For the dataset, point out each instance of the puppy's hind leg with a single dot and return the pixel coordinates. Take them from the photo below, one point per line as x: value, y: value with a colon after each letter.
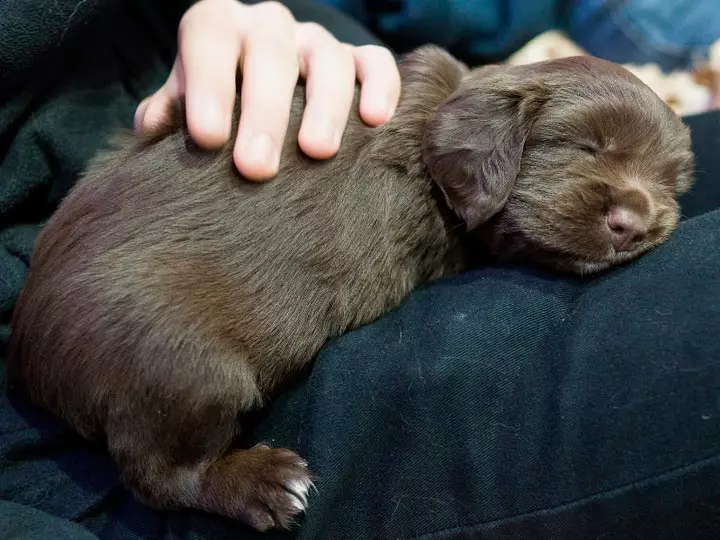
x: 173, y: 446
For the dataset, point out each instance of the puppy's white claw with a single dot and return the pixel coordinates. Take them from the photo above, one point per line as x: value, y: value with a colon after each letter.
x: 300, y: 488
x: 297, y: 503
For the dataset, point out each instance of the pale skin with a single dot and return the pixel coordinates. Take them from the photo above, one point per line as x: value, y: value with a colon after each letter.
x: 272, y: 50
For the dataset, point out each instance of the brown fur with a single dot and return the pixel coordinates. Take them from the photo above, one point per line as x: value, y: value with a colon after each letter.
x: 168, y: 296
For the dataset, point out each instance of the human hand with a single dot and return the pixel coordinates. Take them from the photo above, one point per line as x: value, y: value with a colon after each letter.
x: 272, y: 49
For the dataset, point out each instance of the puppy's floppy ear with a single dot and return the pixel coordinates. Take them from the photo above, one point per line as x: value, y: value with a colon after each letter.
x: 474, y: 144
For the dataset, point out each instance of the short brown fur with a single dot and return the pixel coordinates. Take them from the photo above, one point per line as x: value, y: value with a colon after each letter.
x: 168, y: 296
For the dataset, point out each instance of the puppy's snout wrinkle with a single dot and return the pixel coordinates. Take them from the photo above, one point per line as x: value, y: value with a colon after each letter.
x: 627, y: 227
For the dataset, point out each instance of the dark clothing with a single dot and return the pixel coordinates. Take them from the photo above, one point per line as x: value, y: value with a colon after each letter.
x: 504, y: 403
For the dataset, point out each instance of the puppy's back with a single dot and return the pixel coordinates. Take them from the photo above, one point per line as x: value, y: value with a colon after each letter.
x: 159, y: 234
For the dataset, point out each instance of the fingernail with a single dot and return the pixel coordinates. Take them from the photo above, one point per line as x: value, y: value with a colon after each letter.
x: 213, y: 117
x: 324, y: 129
x: 379, y: 105
x: 261, y: 150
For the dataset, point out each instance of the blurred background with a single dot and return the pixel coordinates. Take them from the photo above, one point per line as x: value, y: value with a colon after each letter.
x: 672, y: 45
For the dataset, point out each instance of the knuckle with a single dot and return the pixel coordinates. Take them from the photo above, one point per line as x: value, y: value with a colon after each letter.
x: 376, y: 53
x: 209, y: 14
x: 315, y: 32
x: 317, y: 44
x: 187, y: 20
x: 274, y: 11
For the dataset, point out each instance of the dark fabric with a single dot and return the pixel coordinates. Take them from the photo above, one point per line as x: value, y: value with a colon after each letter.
x: 506, y: 403
x: 706, y: 144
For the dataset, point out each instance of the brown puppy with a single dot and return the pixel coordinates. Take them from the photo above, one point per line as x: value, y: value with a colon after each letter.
x: 168, y: 296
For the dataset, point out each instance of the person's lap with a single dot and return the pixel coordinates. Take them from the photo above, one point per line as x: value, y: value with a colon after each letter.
x: 503, y: 403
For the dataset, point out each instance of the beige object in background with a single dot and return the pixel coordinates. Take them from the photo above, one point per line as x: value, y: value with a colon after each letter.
x: 686, y: 92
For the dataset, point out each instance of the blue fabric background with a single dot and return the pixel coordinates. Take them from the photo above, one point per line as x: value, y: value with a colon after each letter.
x: 671, y: 33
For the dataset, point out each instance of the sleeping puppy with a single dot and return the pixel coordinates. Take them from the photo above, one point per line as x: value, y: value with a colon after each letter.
x: 167, y: 297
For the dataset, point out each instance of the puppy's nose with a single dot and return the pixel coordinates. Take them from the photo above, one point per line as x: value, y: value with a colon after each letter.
x: 627, y: 228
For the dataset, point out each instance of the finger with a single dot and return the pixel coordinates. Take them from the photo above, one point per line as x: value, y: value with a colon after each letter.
x: 330, y: 87
x: 209, y: 49
x: 270, y: 72
x: 378, y: 74
x: 139, y: 119
x: 153, y: 112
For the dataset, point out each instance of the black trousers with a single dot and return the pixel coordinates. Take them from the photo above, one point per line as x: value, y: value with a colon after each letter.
x: 501, y: 404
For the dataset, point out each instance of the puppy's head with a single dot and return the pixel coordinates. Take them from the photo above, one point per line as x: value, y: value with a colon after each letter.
x: 573, y: 163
